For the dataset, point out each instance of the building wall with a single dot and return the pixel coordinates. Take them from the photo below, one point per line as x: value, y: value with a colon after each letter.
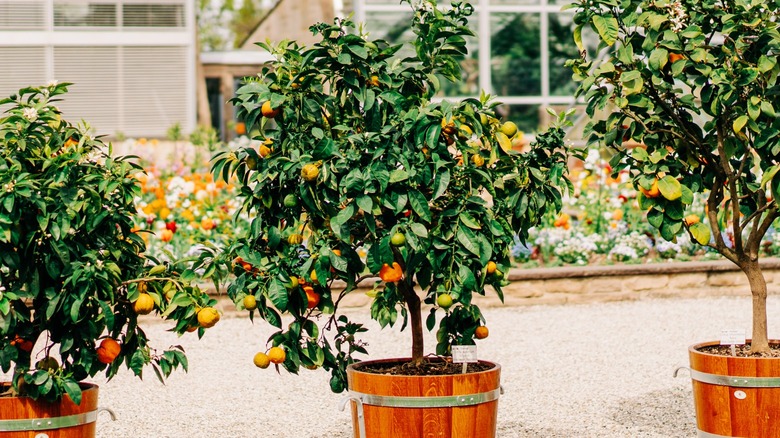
x: 290, y: 20
x: 131, y: 62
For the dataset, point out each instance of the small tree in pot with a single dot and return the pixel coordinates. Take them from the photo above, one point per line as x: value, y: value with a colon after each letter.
x: 73, y: 277
x: 696, y: 83
x: 362, y: 176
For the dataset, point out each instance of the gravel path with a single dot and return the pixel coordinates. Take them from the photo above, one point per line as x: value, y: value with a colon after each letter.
x: 597, y: 370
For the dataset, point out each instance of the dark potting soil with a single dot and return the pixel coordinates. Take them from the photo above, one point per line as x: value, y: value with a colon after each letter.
x: 427, y: 368
x: 742, y: 350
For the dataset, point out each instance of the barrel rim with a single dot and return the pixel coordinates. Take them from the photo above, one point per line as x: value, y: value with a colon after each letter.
x: 352, y: 369
x: 694, y: 349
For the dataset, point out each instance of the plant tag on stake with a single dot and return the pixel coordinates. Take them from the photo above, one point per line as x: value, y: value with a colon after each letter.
x: 732, y: 337
x: 464, y: 354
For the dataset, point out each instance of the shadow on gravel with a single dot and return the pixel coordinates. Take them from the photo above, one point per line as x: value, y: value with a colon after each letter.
x: 668, y: 413
x: 516, y: 429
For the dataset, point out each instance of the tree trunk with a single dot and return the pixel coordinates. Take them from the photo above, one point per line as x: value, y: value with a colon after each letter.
x: 760, y: 341
x: 415, y: 313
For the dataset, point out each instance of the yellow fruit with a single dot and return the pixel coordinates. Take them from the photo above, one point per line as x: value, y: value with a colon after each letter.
x: 261, y: 360
x: 692, y: 219
x: 144, y: 304
x: 313, y: 275
x: 263, y: 150
x: 295, y: 239
x: 478, y: 160
x: 491, y: 267
x: 509, y: 129
x: 269, y: 111
x: 208, y: 317
x: 277, y: 355
x: 398, y: 239
x: 444, y: 301
x: 250, y: 302
x: 652, y: 192
x: 482, y: 332
x: 309, y: 172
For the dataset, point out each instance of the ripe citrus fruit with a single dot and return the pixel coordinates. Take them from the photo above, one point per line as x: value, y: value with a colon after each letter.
x: 509, y: 129
x: 108, y: 350
x: 295, y: 239
x: 144, y: 304
x: 444, y: 301
x: 312, y: 297
x: 277, y: 355
x: 261, y: 360
x: 478, y: 160
x: 390, y: 274
x: 692, y: 219
x: 491, y: 267
x: 652, y: 192
x: 268, y: 110
x: 264, y: 150
x: 309, y: 172
x: 141, y: 287
x: 482, y: 332
x: 208, y: 317
x: 398, y: 239
x: 250, y: 302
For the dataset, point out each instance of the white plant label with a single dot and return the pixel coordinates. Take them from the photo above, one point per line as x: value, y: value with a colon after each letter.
x: 732, y: 337
x: 740, y: 395
x: 464, y: 354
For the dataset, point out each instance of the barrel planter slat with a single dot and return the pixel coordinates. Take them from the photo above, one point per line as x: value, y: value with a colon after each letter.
x: 51, y: 420
x: 735, y: 396
x: 449, y: 406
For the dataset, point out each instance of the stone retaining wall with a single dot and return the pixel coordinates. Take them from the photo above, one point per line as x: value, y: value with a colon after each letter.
x: 618, y: 283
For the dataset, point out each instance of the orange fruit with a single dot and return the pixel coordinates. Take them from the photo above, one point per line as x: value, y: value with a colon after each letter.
x: 277, y: 355
x: 250, y: 302
x: 269, y: 111
x: 265, y: 148
x: 261, y: 360
x: 674, y: 57
x: 390, y: 274
x: 312, y: 297
x: 478, y: 160
x: 652, y: 192
x: 208, y: 317
x: 692, y: 219
x: 144, y: 304
x: 108, y: 350
x: 482, y: 332
x: 309, y: 172
x: 491, y: 267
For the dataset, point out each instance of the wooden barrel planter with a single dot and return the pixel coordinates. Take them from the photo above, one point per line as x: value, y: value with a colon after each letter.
x: 23, y: 417
x: 448, y: 406
x: 735, y: 396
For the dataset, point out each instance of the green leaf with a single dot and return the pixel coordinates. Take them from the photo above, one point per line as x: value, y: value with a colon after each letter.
x: 670, y: 188
x: 701, y: 233
x: 420, y: 205
x: 606, y: 27
x: 73, y: 390
x: 468, y: 239
x: 278, y: 294
x: 740, y: 123
x: 655, y: 217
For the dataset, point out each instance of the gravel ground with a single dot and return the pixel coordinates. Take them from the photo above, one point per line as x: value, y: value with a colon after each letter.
x: 597, y: 370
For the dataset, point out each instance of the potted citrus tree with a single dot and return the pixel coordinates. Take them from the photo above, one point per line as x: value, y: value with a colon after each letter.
x: 695, y: 82
x: 73, y: 276
x: 363, y: 177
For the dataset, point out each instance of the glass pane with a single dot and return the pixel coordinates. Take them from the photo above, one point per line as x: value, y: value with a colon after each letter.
x: 468, y: 85
x: 153, y: 15
x: 515, y: 53
x: 526, y: 117
x: 393, y: 27
x: 562, y: 48
x: 84, y: 15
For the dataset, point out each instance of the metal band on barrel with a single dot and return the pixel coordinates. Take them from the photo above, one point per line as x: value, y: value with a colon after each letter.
x: 428, y: 402
x: 48, y: 423
x: 734, y: 381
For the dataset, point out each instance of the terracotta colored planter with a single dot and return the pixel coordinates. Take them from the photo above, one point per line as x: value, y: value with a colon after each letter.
x: 735, y: 396
x: 22, y: 417
x: 452, y: 406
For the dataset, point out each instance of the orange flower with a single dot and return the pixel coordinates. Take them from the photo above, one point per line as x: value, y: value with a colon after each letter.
x: 208, y: 224
x: 166, y: 235
x: 391, y: 274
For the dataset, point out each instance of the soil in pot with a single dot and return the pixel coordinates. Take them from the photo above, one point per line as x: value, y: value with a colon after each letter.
x: 429, y: 367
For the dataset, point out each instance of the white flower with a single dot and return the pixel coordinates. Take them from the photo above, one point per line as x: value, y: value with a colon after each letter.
x: 30, y: 114
x: 53, y: 83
